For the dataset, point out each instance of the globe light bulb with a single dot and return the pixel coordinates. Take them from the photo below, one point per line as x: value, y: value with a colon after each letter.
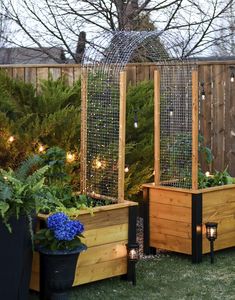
x: 41, y: 148
x: 70, y: 157
x: 11, y: 139
x: 98, y: 164
x: 232, y: 77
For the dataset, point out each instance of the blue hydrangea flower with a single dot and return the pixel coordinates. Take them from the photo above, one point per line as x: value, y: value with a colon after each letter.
x: 56, y: 220
x: 68, y: 231
x: 64, y: 229
x: 79, y: 226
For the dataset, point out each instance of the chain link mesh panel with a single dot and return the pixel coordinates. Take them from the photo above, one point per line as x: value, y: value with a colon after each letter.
x: 176, y: 125
x: 105, y: 58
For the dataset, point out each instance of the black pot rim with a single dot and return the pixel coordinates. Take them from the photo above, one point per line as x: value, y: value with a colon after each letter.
x: 79, y: 249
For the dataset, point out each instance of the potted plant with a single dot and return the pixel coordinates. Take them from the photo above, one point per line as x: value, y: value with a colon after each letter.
x: 20, y: 193
x: 59, y: 245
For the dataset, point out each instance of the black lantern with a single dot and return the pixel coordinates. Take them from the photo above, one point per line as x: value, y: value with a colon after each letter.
x: 211, y: 234
x: 132, y: 259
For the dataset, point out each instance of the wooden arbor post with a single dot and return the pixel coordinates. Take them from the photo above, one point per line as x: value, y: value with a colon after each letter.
x: 83, y: 154
x: 195, y: 129
x: 122, y: 135
x: 157, y: 127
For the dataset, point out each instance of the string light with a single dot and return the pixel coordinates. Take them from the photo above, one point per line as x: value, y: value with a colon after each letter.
x: 11, y: 139
x: 232, y: 77
x: 98, y: 164
x: 207, y: 174
x: 135, y: 119
x: 171, y: 111
x: 203, y: 94
x: 41, y: 148
x: 70, y: 157
x: 126, y: 170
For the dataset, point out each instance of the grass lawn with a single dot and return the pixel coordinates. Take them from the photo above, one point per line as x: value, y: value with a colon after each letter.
x: 168, y: 276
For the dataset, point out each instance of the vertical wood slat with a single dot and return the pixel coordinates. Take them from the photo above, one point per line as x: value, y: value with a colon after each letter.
x: 205, y: 75
x: 31, y: 75
x: 218, y: 117
x: 228, y: 122
x: 122, y: 134
x: 230, y: 151
x: 54, y: 73
x: 68, y: 75
x: 195, y: 129
x: 157, y: 127
x: 83, y: 149
x: 18, y: 73
x: 131, y: 75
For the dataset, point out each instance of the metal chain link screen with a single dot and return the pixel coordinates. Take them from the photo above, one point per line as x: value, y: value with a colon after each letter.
x: 176, y: 125
x: 103, y: 61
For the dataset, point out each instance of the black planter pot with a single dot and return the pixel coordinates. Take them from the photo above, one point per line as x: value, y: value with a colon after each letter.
x: 57, y: 270
x: 15, y: 260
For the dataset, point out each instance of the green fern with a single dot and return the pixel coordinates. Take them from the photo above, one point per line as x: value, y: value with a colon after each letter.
x: 26, y: 167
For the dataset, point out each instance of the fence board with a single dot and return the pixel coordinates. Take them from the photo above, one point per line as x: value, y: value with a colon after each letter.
x: 217, y: 112
x: 31, y: 75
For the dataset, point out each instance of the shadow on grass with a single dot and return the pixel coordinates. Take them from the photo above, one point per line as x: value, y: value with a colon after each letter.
x: 168, y: 276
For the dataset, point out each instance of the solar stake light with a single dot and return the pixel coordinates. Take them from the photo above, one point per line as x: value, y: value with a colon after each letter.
x: 133, y: 257
x: 211, y: 234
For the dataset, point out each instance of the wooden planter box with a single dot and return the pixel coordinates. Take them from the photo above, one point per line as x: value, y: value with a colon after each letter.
x: 107, y: 232
x: 175, y: 218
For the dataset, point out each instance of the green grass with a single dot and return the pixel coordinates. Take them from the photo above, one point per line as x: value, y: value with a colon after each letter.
x: 169, y: 276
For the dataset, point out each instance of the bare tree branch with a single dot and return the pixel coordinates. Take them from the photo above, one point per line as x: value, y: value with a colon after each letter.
x: 189, y: 23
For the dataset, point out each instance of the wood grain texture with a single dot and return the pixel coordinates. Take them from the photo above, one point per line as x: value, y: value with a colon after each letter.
x: 122, y: 137
x: 100, y: 271
x: 171, y: 197
x: 171, y: 243
x: 157, y: 100
x: 170, y: 220
x: 83, y: 146
x: 195, y: 128
x: 106, y: 236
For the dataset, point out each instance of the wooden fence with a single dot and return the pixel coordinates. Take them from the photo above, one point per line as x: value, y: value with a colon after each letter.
x: 217, y: 113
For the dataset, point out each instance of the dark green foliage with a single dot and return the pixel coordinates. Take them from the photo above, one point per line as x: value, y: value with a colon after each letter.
x: 204, y: 150
x: 217, y: 179
x: 55, y: 157
x: 22, y: 195
x: 139, y: 141
x: 49, y: 116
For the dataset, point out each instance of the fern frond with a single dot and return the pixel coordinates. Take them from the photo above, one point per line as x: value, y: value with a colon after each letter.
x: 36, y: 176
x: 24, y: 169
x: 5, y: 192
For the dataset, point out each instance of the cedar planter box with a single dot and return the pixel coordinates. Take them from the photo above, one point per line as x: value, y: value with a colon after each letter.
x: 106, y: 234
x: 175, y: 218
